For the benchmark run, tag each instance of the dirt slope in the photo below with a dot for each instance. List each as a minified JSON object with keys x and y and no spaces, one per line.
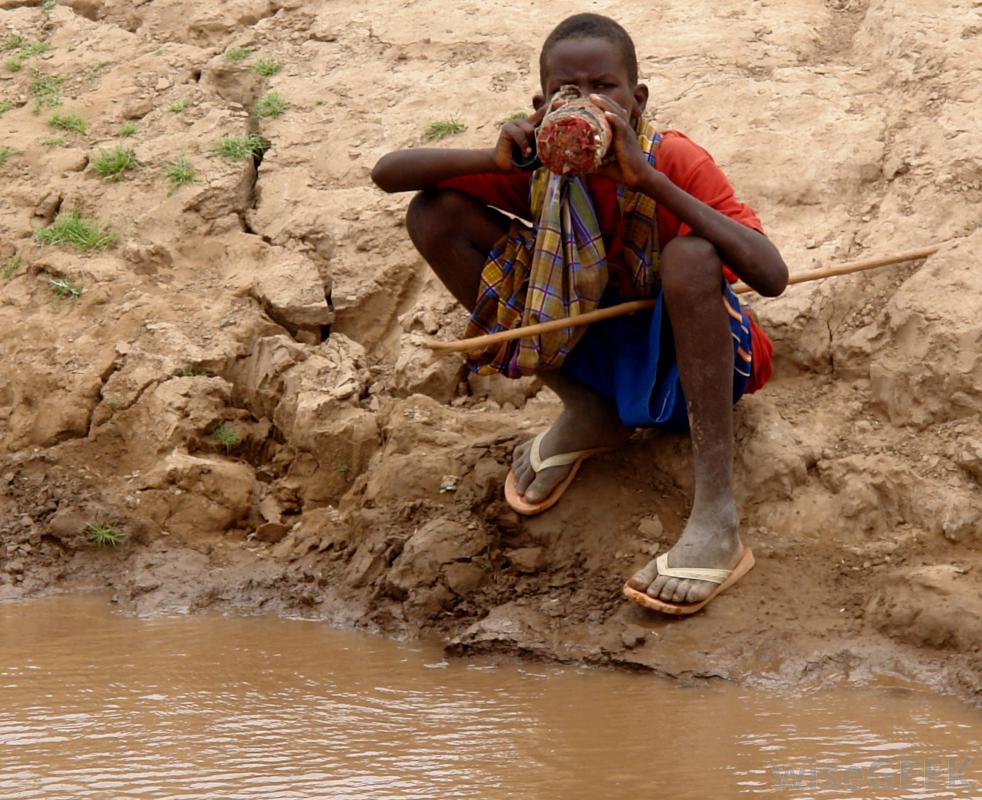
{"x":278,"y":296}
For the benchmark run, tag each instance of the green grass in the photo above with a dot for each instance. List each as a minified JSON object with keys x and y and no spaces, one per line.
{"x":514,"y":117}
{"x":111,"y":164}
{"x":5,"y":153}
{"x":71,"y":228}
{"x":126,"y":129}
{"x":271,"y":104}
{"x":48,"y":6}
{"x":195,"y":372}
{"x":266,"y":67}
{"x":236,"y":148}
{"x":5,"y":106}
{"x":53,"y":141}
{"x":103,"y":535}
{"x":226,"y":436}
{"x":65,"y":289}
{"x":67,"y":122}
{"x":10,"y":267}
{"x":46,"y":90}
{"x":34,"y":49}
{"x":13,"y":42}
{"x":181,"y":172}
{"x":443,"y":128}
{"x":179,"y":105}
{"x":238,"y":54}
{"x":13,"y":64}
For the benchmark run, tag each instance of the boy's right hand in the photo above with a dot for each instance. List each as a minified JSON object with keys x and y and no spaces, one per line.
{"x":517,"y":133}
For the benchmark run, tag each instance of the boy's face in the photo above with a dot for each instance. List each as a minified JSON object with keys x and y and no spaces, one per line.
{"x":595,"y":66}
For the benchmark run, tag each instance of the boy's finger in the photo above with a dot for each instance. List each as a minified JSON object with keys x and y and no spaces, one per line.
{"x":608,"y":105}
{"x":519,"y":136}
{"x":538,"y":114}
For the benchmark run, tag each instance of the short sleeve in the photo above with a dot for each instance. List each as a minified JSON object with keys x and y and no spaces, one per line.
{"x":506,"y":191}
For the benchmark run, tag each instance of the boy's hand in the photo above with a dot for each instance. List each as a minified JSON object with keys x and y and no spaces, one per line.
{"x":517,"y":133}
{"x":630,"y":165}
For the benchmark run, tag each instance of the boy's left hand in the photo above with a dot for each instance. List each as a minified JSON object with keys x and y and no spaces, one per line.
{"x":629,"y":166}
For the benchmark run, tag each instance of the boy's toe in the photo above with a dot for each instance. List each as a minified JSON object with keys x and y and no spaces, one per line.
{"x":657,"y":588}
{"x":642,"y":579}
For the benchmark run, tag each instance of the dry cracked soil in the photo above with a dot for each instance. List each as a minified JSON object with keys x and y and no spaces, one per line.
{"x":236,"y":382}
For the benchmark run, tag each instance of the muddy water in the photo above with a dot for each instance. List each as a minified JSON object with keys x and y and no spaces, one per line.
{"x":94,"y":705}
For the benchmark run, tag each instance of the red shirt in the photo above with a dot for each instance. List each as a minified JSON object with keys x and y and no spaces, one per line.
{"x":689,"y":167}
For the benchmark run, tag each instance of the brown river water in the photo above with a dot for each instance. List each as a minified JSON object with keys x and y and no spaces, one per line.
{"x":98,"y":705}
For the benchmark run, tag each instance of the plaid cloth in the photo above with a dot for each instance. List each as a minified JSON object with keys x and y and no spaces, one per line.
{"x":558,"y":269}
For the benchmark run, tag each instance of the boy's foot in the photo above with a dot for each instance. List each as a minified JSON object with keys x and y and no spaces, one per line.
{"x":591,"y":425}
{"x":709,"y":541}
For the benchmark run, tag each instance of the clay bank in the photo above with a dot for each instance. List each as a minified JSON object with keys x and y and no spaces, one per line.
{"x":230,"y":373}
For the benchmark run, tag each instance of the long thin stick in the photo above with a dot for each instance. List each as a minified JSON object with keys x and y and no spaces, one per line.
{"x":480,"y":342}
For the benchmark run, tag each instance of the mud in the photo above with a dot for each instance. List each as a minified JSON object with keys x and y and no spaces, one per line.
{"x":279,"y":296}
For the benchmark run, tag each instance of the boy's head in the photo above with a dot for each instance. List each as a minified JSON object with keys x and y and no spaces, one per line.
{"x":596,"y":54}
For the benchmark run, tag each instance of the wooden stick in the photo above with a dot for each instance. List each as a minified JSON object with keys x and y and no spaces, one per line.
{"x":480,"y":342}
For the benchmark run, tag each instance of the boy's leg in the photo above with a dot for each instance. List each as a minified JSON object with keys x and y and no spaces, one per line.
{"x":691,"y":275}
{"x":454,"y":233}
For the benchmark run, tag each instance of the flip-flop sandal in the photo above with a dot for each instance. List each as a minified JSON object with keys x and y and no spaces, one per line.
{"x":725,"y":578}
{"x":575,"y":458}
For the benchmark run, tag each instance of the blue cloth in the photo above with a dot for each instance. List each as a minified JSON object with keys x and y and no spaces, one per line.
{"x":630,"y":360}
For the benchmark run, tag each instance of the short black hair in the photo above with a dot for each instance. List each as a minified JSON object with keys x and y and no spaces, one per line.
{"x":593,"y":26}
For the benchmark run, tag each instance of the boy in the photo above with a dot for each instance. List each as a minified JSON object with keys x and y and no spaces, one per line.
{"x":658,"y":219}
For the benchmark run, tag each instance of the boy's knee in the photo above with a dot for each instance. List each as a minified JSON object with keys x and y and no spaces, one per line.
{"x":690,"y":265}
{"x":429,"y":213}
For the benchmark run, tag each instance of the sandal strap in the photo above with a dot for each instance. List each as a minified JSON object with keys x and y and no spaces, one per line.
{"x":558,"y":460}
{"x":693,"y":573}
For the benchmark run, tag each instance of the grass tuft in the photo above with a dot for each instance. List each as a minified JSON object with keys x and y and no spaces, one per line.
{"x":271,"y":104}
{"x":238,"y":54}
{"x":103,"y":535}
{"x":67,"y":122}
{"x":10,"y":267}
{"x":65,"y":289}
{"x":179,"y":105}
{"x":266,"y":67}
{"x":13,"y":42}
{"x":48,"y":6}
{"x":181,"y":172}
{"x":444,"y":128}
{"x":226,"y":436}
{"x":13,"y":64}
{"x":5,"y":153}
{"x":46,"y":90}
{"x":111,"y":164}
{"x":53,"y":141}
{"x":236,"y":148}
{"x":126,"y":129}
{"x":5,"y":106}
{"x":34,"y":49}
{"x":71,"y":228}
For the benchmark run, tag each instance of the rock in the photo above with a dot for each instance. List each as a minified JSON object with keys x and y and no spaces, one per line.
{"x":418,"y":370}
{"x":15,"y":566}
{"x":503,"y":390}
{"x":67,"y":524}
{"x":527,"y":559}
{"x":633,"y":635}
{"x":967,"y":454}
{"x":137,"y":108}
{"x":271,"y":532}
{"x":293,"y":295}
{"x":651,"y":528}
{"x":440,"y":542}
{"x":464,"y":577}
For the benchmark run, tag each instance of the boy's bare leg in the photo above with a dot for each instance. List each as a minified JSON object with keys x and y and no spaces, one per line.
{"x":691,"y":275}
{"x":454,"y":233}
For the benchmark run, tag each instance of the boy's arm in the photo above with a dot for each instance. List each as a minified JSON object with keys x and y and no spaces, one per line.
{"x":750,"y":254}
{"x":424,"y":168}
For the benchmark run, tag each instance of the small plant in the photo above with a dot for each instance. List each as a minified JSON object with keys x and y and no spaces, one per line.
{"x":13,"y":64}
{"x":235,"y":148}
{"x":179,"y":105}
{"x":71,"y":228}
{"x":103,"y":535}
{"x":266,"y":67}
{"x":10,"y":267}
{"x":13,"y":42}
{"x":53,"y":141}
{"x":65,"y":289}
{"x":48,"y":6}
{"x":238,"y":54}
{"x":342,"y":468}
{"x":126,"y":129}
{"x":5,"y":106}
{"x":67,"y":122}
{"x":111,"y":164}
{"x":192,"y":371}
{"x":226,"y":436}
{"x":33,"y":49}
{"x":443,"y":128}
{"x":271,"y":104}
{"x":181,"y":172}
{"x":46,"y":90}
{"x":5,"y":153}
